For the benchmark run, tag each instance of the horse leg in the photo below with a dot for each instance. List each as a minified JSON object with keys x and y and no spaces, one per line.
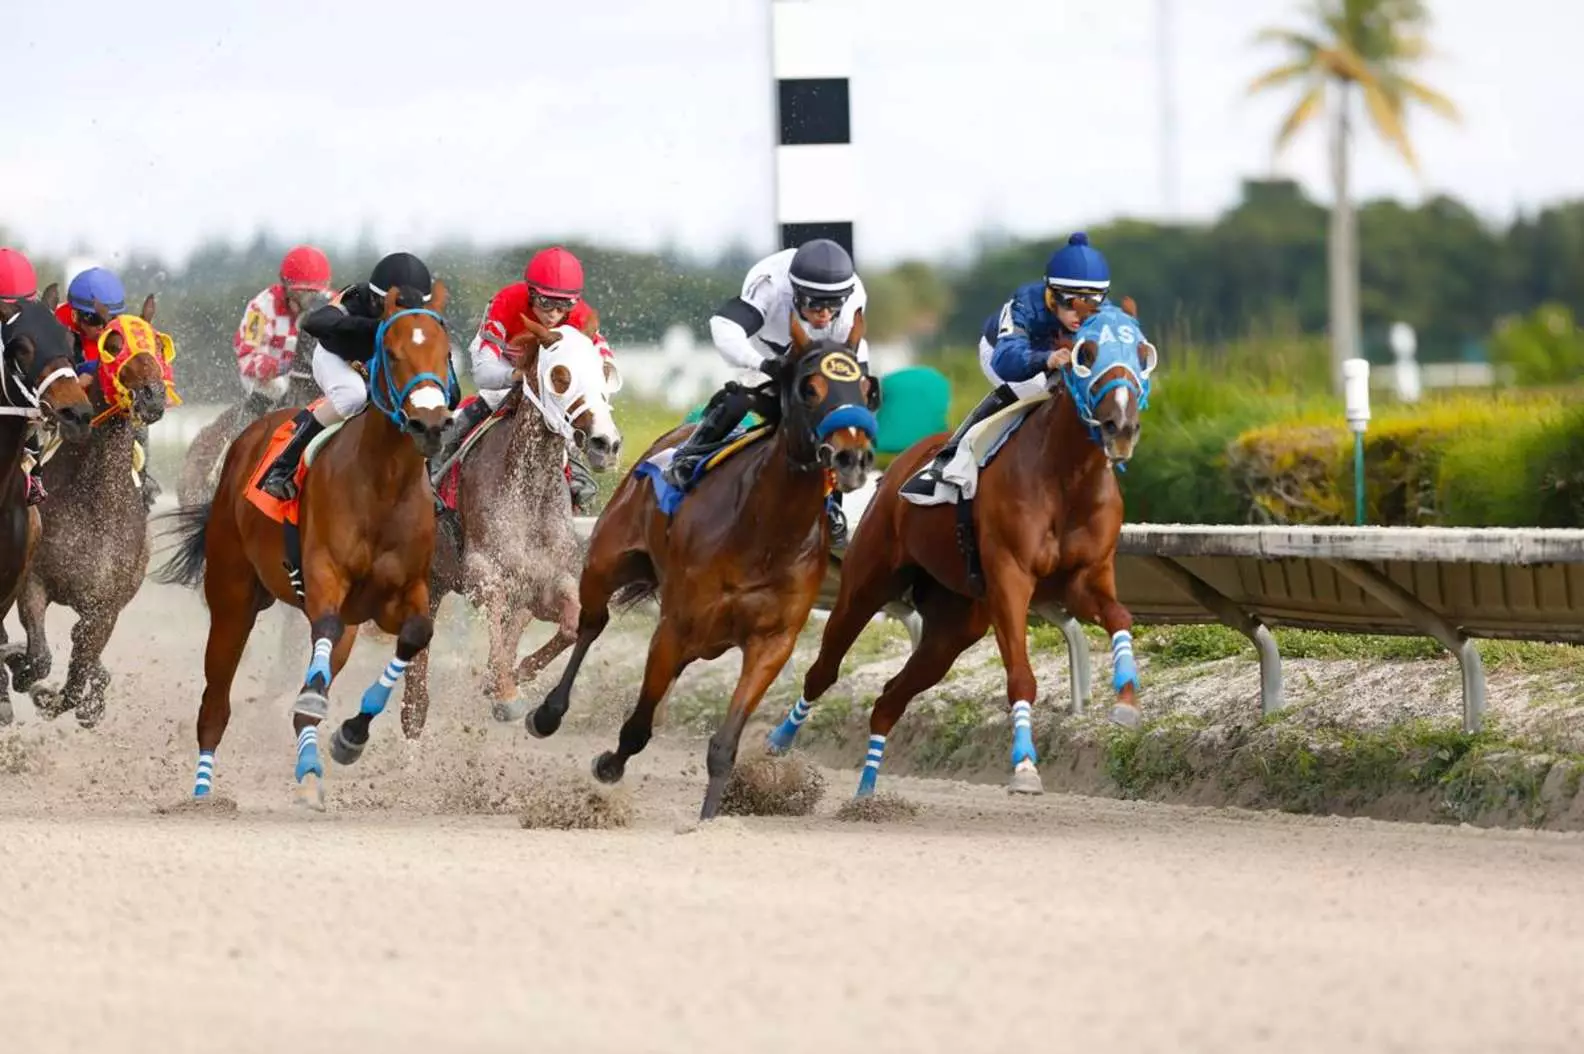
{"x":309,"y":772}
{"x":664,"y":665}
{"x":415,"y":700}
{"x":1091,"y":596}
{"x":566,"y":633}
{"x":230,"y":595}
{"x":506,"y":625}
{"x":953,"y":623}
{"x":413,"y":633}
{"x":856,"y":604}
{"x":762,"y":661}
{"x":1010,"y":589}
{"x":33,"y":665}
{"x":7,"y":715}
{"x":602,"y":575}
{"x":86,"y":677}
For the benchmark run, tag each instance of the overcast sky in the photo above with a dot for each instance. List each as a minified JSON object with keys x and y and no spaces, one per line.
{"x":640,"y":122}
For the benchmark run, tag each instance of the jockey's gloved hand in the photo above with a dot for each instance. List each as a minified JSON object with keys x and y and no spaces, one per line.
{"x":777,"y":368}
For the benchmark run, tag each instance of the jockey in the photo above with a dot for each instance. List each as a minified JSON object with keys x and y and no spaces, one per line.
{"x":753,"y":332}
{"x":267,"y":338}
{"x":80,"y":315}
{"x":19,"y":282}
{"x":1016,"y":345}
{"x":345,"y":330}
{"x":551,"y":293}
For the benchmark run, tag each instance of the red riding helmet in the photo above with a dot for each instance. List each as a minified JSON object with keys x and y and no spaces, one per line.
{"x":305,"y":267}
{"x":555,"y":273}
{"x":17,"y":280}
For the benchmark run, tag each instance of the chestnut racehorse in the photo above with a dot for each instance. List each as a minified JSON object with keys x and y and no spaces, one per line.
{"x":740,"y":561}
{"x":510,"y":547}
{"x":1047,"y":513}
{"x":37,"y":383}
{"x":94,"y":545}
{"x":366,"y":521}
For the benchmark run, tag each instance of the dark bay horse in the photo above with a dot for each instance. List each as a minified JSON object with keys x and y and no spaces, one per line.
{"x":95,"y":544}
{"x":37,"y":383}
{"x":740,"y":561}
{"x":1047,"y":513}
{"x":511,"y":549}
{"x":366,"y":523}
{"x":201,"y":464}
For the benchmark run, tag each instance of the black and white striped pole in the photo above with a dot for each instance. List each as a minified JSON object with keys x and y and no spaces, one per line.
{"x":815,"y":175}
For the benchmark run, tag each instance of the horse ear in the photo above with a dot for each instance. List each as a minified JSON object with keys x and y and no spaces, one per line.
{"x":543,"y":335}
{"x":1130,"y":306}
{"x":438,"y":295}
{"x":390,"y":306}
{"x":100,"y":309}
{"x":8,"y":310}
{"x":148,"y":308}
{"x":591,"y":323}
{"x":51,"y":297}
{"x":800,"y":337}
{"x":856,"y":336}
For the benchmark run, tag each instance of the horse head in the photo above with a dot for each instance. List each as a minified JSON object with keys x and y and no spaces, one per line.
{"x":36,"y":368}
{"x":1109,"y":375}
{"x":568,"y":381}
{"x":134,"y":361}
{"x":827,"y":405}
{"x":410,"y":373}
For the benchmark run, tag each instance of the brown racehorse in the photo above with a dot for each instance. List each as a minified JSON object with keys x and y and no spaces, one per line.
{"x":739,"y":563}
{"x":511,"y":548}
{"x":367,"y":526}
{"x":37,"y":381}
{"x":200,"y":465}
{"x":1047,"y":514}
{"x":95,"y":545}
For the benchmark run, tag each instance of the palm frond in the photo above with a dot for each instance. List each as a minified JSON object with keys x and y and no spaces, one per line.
{"x":1429,"y":98}
{"x":1386,"y":111}
{"x":1280,"y":75}
{"x":1309,"y":104}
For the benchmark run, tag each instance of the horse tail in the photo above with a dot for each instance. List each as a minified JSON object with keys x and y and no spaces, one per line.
{"x":186,"y":565}
{"x":632,"y":594}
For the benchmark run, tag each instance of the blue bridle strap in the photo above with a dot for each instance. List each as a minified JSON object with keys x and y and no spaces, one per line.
{"x":847,"y":416}
{"x":382,"y":386}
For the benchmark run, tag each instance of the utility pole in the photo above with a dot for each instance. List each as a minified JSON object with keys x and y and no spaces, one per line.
{"x":1166,"y":79}
{"x":816,"y":177}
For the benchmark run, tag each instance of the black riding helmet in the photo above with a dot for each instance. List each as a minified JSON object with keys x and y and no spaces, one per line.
{"x":401,"y":271}
{"x":822,"y":274}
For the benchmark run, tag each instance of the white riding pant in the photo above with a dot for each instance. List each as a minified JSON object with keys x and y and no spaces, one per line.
{"x":343,"y":387}
{"x":1022,"y":389}
{"x":273,"y":389}
{"x":493,"y":397}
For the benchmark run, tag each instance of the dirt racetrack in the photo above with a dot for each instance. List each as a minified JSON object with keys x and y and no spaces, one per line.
{"x":418,"y":915}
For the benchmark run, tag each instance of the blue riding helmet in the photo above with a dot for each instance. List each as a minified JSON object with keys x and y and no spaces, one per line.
{"x":1078,"y":267}
{"x":96,"y":283}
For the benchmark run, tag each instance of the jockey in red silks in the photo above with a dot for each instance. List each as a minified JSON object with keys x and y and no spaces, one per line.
{"x":266,"y":340}
{"x":19,"y":282}
{"x":551,"y":293}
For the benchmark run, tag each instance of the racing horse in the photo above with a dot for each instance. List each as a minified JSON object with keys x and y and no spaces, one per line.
{"x":736,"y":563}
{"x":95,"y":545}
{"x":201,"y":464}
{"x":509,"y":545}
{"x":1046,"y":512}
{"x":37,"y":382}
{"x":354,"y":547}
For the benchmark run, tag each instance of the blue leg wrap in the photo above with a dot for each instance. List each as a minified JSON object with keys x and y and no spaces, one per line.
{"x":205,"y":776}
{"x":319,"y":668}
{"x":308,"y":753}
{"x":871,"y":769}
{"x":781,"y":737}
{"x":376,"y":695}
{"x":1123,"y":669}
{"x":1022,"y":734}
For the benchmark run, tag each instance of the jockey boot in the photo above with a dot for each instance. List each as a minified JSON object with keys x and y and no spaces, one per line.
{"x":838,"y":521}
{"x":277,"y":481}
{"x":581,"y":479}
{"x":725,"y":411}
{"x":923,"y":484}
{"x":33,"y":452}
{"x":36,"y":494}
{"x":151,"y":489}
{"x":470,"y":417}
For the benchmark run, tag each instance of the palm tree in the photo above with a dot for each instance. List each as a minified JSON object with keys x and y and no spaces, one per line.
{"x":1352,"y":49}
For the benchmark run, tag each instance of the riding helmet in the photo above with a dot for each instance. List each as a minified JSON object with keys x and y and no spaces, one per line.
{"x":822,"y":269}
{"x":1078,"y":265}
{"x":96,"y":283}
{"x":401,"y":271}
{"x":17,"y":280}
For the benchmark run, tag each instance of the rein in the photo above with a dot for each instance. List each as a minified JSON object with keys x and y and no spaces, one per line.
{"x":382,"y":385}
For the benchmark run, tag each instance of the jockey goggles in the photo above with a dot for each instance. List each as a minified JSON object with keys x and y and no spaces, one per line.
{"x":1068,"y":297}
{"x":554,"y":303}
{"x":820,"y":301}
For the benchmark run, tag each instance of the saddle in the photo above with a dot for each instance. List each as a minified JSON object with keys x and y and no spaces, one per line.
{"x":669,"y":497}
{"x":285,"y":512}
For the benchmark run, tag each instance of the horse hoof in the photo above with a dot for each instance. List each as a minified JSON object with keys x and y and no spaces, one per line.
{"x":542,"y":724}
{"x":1126,"y":715}
{"x":343,"y":750}
{"x":311,"y":704}
{"x":8,"y":652}
{"x":310,"y":792}
{"x":608,"y":768}
{"x":1025,"y":780}
{"x":7,"y":715}
{"x":48,"y":703}
{"x":511,"y":710}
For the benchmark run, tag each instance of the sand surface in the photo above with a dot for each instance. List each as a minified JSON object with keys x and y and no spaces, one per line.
{"x":416,"y":914}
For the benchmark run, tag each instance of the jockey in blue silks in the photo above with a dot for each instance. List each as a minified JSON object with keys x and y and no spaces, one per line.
{"x":1016,"y":347}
